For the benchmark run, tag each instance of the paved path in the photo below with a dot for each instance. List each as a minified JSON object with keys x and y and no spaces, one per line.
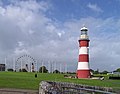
{"x":17,"y":91}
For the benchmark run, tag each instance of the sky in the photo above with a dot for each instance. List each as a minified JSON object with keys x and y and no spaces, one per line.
{"x":49,"y":30}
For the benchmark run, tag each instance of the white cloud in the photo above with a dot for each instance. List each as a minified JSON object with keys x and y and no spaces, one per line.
{"x":104,"y":41}
{"x":94,"y":7}
{"x":50,"y":28}
{"x":20,"y":51}
{"x":20,"y":44}
{"x":25,"y":29}
{"x":59,"y":34}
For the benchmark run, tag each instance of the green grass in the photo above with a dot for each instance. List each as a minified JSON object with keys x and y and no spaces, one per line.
{"x":28,"y":81}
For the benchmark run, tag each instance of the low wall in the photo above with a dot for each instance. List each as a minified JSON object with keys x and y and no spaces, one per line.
{"x":48,"y":87}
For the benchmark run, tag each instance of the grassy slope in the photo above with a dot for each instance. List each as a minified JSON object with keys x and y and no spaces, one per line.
{"x":28,"y":81}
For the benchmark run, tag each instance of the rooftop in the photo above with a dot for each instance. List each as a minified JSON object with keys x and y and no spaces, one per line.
{"x":84,"y":28}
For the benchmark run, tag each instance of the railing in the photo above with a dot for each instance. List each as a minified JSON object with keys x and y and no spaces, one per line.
{"x":47,"y":87}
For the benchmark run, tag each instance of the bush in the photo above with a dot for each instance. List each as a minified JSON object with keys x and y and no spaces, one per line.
{"x":23,"y":70}
{"x":10,"y":70}
{"x":56,"y":71}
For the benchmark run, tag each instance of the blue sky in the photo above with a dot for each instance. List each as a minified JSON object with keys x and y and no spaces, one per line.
{"x":49,"y":30}
{"x":76,"y":9}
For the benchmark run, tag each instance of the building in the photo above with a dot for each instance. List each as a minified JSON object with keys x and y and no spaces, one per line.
{"x":2,"y":67}
{"x":83,"y":70}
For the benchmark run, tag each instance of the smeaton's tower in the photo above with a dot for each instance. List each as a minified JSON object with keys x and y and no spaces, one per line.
{"x":83,"y":70}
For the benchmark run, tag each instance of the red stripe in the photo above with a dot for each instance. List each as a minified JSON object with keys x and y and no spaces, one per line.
{"x":83,"y":43}
{"x":83,"y":73}
{"x":83,"y":58}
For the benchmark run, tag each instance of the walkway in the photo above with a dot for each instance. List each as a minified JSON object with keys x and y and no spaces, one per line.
{"x":17,"y":91}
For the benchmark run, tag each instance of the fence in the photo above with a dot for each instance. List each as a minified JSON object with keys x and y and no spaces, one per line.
{"x":48,"y":87}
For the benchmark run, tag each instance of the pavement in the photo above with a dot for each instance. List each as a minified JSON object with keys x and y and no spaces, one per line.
{"x":17,"y":91}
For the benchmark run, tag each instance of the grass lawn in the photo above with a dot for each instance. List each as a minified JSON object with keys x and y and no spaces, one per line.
{"x":25,"y":80}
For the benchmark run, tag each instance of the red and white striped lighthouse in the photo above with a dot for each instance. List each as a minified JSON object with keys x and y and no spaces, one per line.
{"x":83,"y":70}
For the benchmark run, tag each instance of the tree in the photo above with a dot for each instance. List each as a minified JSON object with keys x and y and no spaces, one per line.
{"x":10,"y":70}
{"x":91,"y":70}
{"x":104,"y":72}
{"x":43,"y":69}
{"x":56,"y":71}
{"x":117,"y":70}
{"x":23,"y":70}
{"x":96,"y":72}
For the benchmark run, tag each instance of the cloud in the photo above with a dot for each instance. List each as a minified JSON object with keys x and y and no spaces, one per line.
{"x":94,"y":7}
{"x":28,"y":30}
{"x":104,"y":41}
{"x":18,"y":23}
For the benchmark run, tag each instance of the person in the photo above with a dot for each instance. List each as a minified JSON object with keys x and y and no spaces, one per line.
{"x":35,"y":75}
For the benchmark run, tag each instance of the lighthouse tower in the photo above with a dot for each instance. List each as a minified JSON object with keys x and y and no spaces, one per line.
{"x":83,"y":70}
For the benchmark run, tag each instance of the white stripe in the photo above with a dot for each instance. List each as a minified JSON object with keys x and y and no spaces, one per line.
{"x":83,"y":50}
{"x":83,"y":65}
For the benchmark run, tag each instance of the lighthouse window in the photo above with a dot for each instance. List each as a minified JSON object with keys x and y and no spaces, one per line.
{"x":83,"y":33}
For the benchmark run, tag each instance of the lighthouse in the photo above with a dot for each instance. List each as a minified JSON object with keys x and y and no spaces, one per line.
{"x":83,"y":70}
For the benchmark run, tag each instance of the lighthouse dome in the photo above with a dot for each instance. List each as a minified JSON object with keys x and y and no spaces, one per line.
{"x":84,"y":28}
